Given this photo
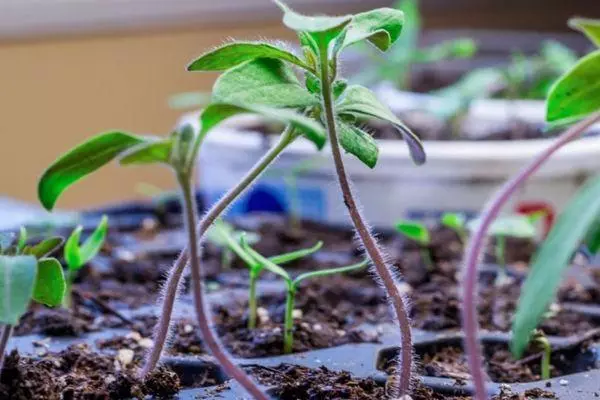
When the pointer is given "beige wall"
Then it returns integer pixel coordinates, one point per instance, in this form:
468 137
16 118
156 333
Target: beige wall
56 93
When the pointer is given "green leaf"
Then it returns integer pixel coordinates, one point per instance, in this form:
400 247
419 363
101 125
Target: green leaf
551 260
381 27
456 48
81 161
44 248
217 113
266 263
453 221
339 87
263 81
71 252
93 244
330 271
17 280
50 285
295 255
518 226
414 231
359 101
22 239
322 29
591 28
576 94
592 238
149 152
233 54
359 143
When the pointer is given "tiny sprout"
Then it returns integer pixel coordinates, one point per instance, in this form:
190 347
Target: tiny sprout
418 233
26 274
540 342
292 288
456 222
231 241
76 256
516 226
221 234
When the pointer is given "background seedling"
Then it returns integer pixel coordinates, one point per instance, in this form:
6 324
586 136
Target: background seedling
418 233
76 255
232 243
222 234
26 274
571 98
292 288
456 222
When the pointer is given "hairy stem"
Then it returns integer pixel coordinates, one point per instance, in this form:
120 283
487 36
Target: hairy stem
172 283
474 249
288 322
365 236
4 337
252 306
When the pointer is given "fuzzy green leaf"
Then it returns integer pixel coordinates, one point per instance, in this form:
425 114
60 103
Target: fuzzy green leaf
576 94
295 255
233 54
359 101
94 242
149 152
44 248
414 231
322 29
50 285
17 280
591 28
551 260
81 161
262 81
381 27
359 143
217 113
330 271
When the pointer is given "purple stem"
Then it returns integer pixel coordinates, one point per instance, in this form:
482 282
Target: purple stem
474 250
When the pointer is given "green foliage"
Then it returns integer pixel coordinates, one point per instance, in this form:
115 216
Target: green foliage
77 256
590 27
80 162
17 281
50 284
518 226
454 221
359 143
44 248
550 261
358 101
415 231
381 27
233 54
264 81
149 152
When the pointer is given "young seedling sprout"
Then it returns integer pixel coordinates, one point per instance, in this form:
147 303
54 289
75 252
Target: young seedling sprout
515 226
540 342
571 98
292 288
418 233
76 255
232 243
457 222
222 234
27 274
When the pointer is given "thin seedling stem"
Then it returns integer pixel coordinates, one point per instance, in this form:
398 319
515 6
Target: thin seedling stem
364 234
172 285
288 329
4 337
474 250
252 303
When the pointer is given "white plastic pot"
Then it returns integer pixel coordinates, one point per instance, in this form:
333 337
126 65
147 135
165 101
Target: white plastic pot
458 175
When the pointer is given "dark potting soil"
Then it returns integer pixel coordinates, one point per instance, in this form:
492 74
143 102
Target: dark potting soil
77 373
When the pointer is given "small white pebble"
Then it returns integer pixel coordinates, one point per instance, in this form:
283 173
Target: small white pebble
317 327
134 336
149 224
188 328
125 356
125 255
297 314
262 312
146 343
304 326
341 333
563 382
276 330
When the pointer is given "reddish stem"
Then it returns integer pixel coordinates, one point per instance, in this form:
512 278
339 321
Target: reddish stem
474 250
